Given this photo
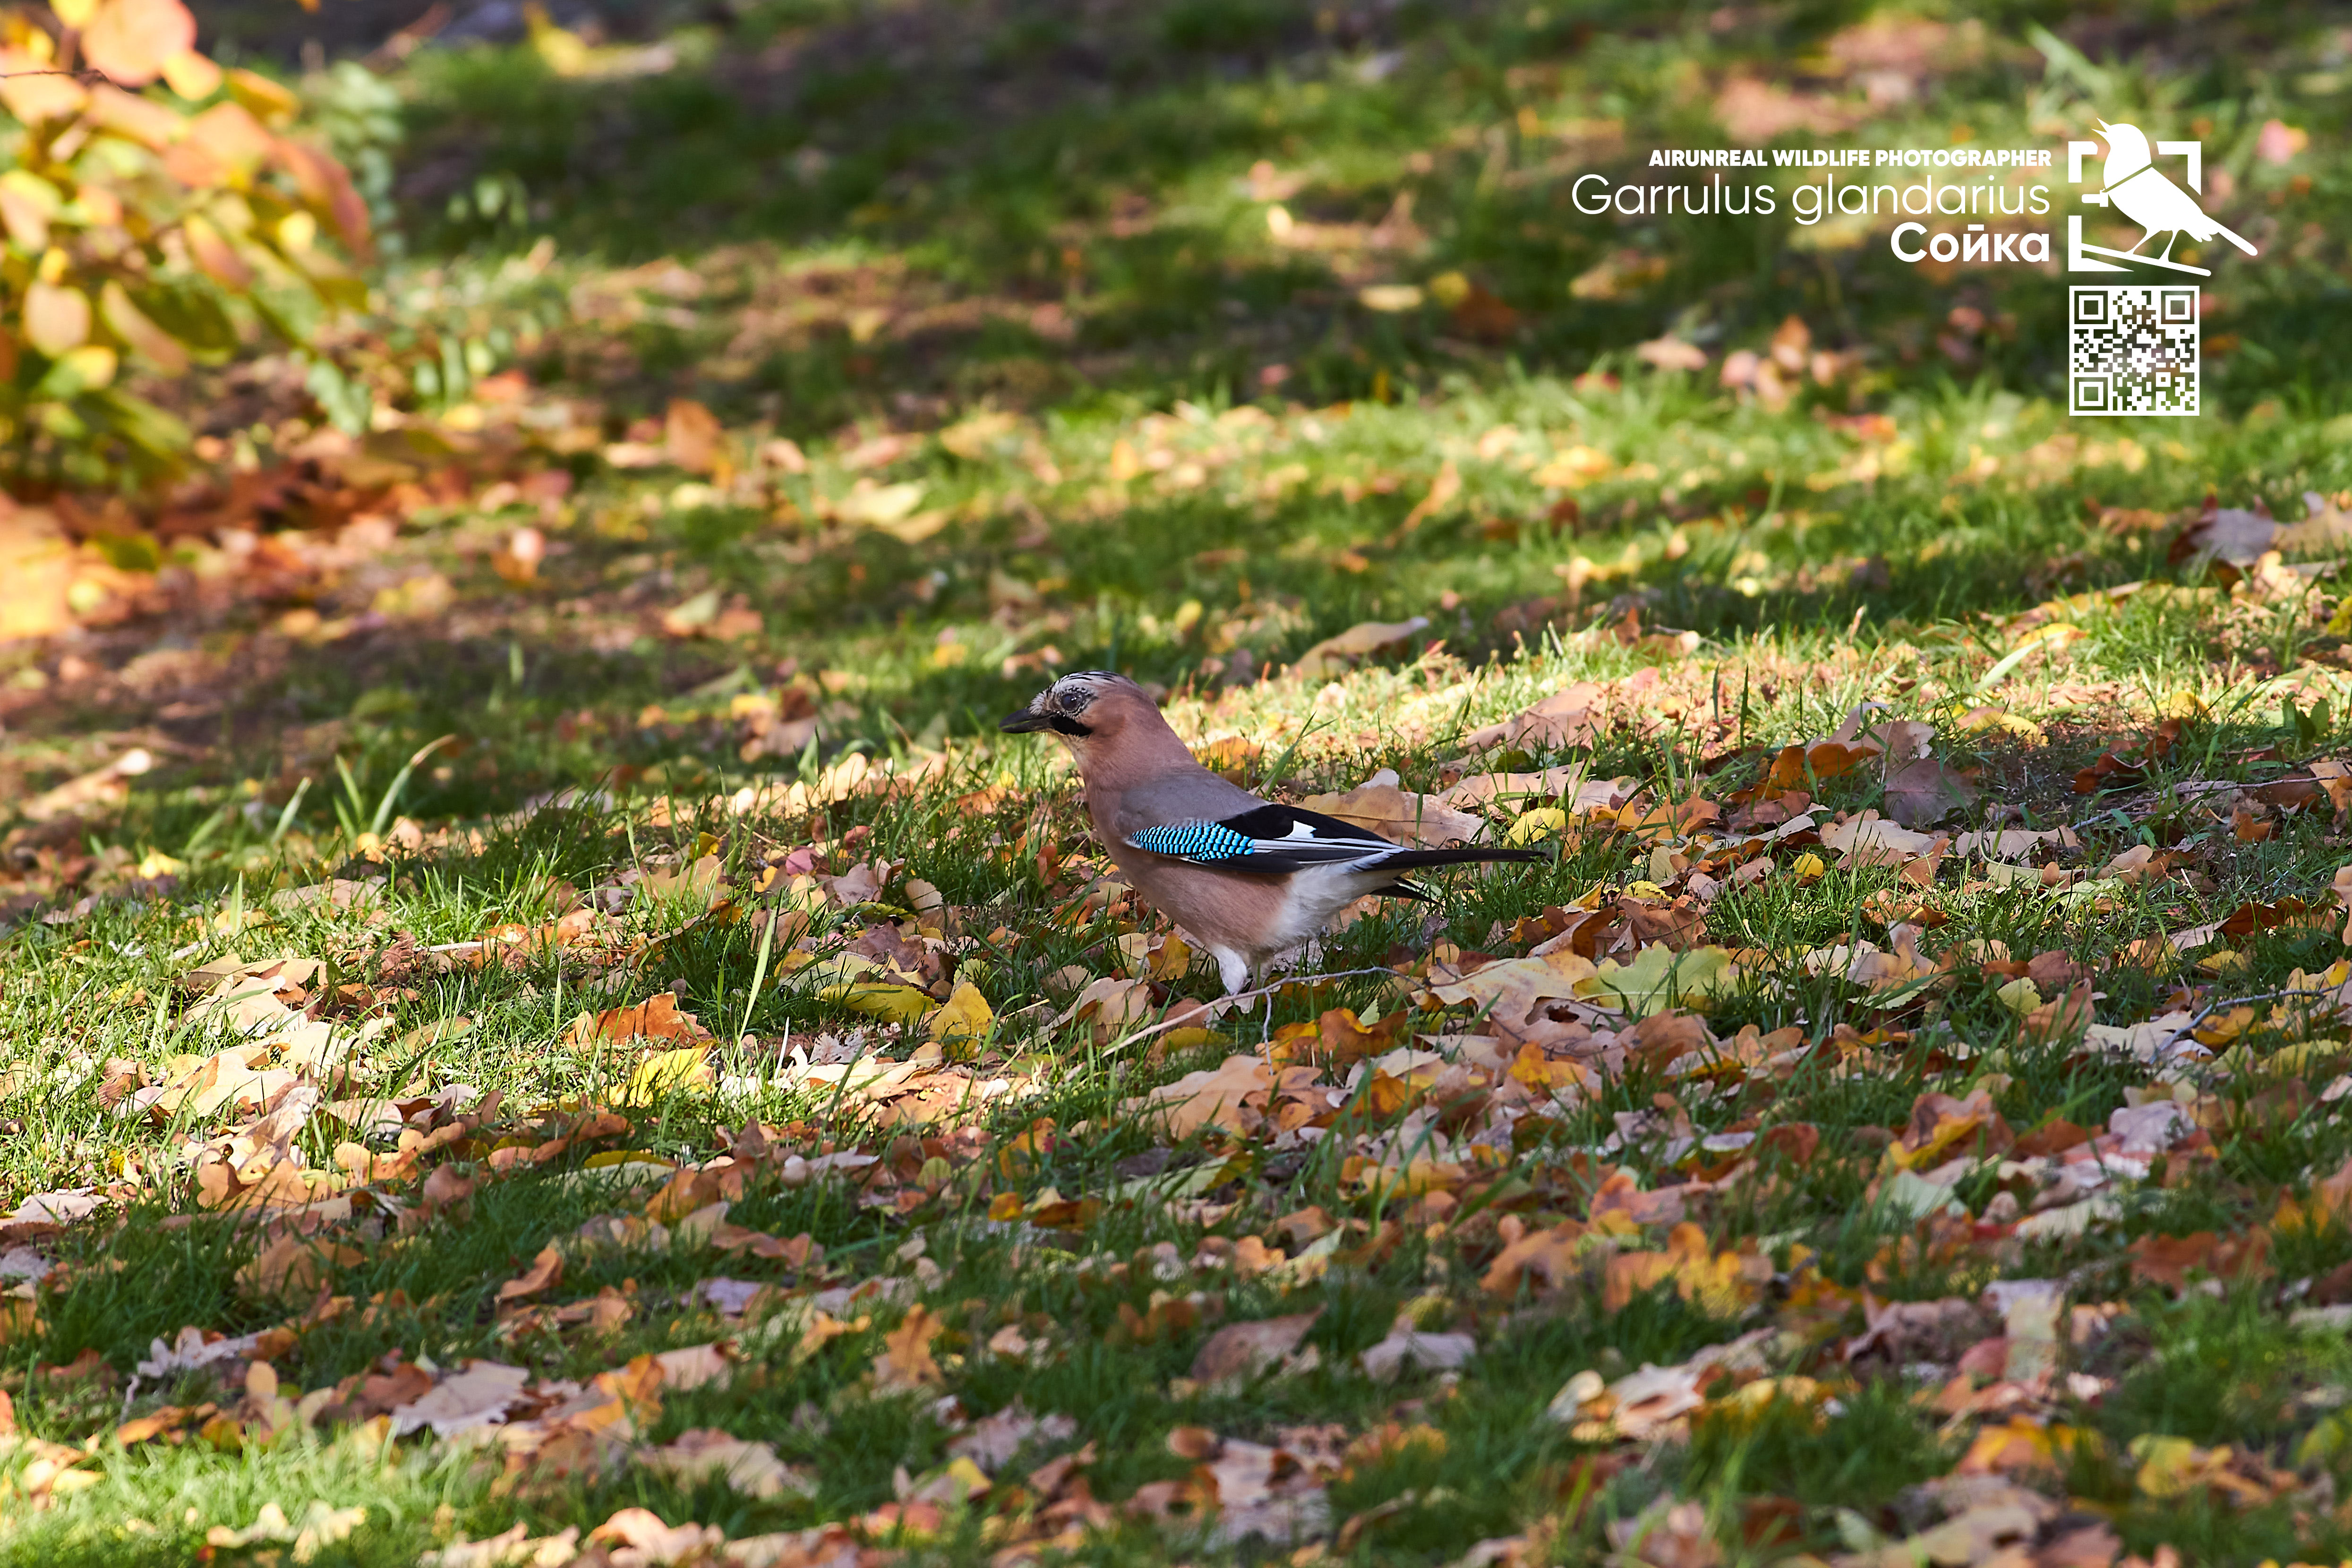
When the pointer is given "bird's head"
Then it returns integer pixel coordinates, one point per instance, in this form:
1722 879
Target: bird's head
2124 142
1090 709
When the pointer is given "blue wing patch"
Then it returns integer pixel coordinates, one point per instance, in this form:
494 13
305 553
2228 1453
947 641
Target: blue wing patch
1204 841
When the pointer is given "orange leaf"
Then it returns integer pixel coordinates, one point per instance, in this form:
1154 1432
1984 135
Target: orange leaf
131 39
656 1018
215 254
906 1361
544 1271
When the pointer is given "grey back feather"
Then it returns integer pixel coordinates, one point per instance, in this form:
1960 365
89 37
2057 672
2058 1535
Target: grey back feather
1189 795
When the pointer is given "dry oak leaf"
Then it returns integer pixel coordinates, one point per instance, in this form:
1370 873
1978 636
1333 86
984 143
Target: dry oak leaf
294 1266
322 1525
691 436
906 1361
1212 1097
1379 805
1512 989
694 1366
1109 1001
1406 1346
1240 1351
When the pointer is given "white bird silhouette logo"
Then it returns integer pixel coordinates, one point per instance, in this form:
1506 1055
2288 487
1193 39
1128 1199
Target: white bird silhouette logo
2136 188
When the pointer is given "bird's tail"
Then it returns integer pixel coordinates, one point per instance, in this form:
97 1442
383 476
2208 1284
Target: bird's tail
1422 860
2236 239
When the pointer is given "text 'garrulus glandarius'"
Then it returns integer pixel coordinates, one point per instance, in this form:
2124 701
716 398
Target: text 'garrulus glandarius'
1246 878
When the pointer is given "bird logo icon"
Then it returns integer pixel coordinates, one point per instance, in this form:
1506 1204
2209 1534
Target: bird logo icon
2135 189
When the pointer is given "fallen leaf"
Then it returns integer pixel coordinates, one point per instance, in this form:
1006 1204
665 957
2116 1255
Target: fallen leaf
965 1014
322 1525
649 1542
1212 1097
656 1018
1659 978
992 1441
1400 816
1240 1351
906 1361
545 1270
476 1395
1367 639
703 1453
1511 990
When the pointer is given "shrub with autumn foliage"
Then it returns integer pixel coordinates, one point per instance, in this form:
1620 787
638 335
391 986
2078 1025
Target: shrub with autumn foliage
159 213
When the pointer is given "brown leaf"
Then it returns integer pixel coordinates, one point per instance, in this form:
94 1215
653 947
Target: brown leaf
1419 821
476 1395
1569 717
294 1266
1928 790
1548 1255
656 1018
1212 1097
703 1453
1443 490
992 1441
1367 639
545 1271
1794 1141
1240 1351
906 1361
691 436
647 1539
446 1192
1511 990
2167 1260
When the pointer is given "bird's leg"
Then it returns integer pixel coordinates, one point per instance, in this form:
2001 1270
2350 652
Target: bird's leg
2169 245
2143 240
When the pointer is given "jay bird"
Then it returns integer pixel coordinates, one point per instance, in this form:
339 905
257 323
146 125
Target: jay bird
1248 879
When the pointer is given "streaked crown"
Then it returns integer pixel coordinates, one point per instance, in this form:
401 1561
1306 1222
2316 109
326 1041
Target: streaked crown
1075 692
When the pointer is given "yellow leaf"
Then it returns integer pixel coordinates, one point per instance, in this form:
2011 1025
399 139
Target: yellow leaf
266 100
2020 995
56 319
1659 978
1543 821
128 40
191 75
665 1071
144 337
891 1004
880 505
965 1013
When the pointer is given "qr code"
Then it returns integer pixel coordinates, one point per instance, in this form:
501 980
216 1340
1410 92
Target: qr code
2131 351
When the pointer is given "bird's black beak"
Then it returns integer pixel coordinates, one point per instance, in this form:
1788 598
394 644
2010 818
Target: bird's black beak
1027 721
